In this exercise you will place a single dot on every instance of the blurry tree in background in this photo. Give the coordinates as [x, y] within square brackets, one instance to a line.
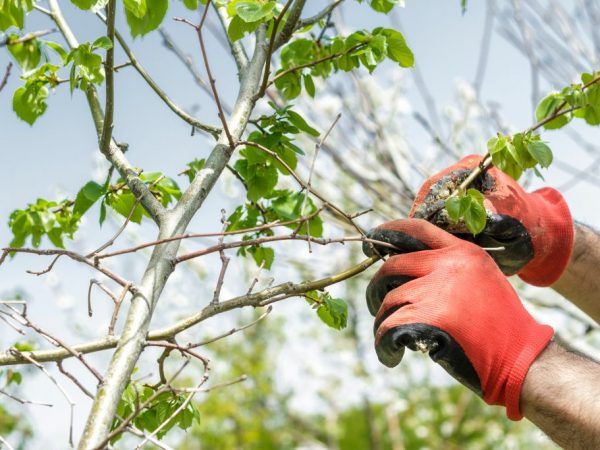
[295, 171]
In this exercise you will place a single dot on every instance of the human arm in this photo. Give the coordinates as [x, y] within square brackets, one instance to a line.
[561, 395]
[580, 282]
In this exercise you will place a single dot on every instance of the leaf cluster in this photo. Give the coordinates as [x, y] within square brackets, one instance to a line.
[303, 59]
[332, 311]
[156, 412]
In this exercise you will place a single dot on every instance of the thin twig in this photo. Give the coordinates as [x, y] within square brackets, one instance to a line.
[267, 72]
[211, 79]
[233, 330]
[6, 75]
[74, 379]
[26, 38]
[67, 397]
[22, 401]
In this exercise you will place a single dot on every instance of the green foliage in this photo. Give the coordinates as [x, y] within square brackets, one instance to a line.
[246, 16]
[84, 4]
[12, 13]
[576, 101]
[332, 311]
[519, 152]
[43, 218]
[468, 206]
[26, 54]
[156, 412]
[384, 6]
[87, 66]
[29, 100]
[303, 59]
[144, 16]
[57, 220]
[193, 168]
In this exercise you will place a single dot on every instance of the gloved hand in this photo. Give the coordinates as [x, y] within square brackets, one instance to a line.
[536, 229]
[452, 300]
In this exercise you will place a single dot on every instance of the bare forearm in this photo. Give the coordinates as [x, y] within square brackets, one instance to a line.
[561, 395]
[581, 281]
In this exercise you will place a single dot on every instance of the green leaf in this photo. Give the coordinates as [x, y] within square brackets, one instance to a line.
[456, 206]
[385, 6]
[137, 8]
[27, 54]
[103, 42]
[475, 215]
[12, 13]
[548, 106]
[260, 178]
[150, 20]
[123, 204]
[397, 49]
[253, 11]
[87, 196]
[333, 312]
[540, 152]
[309, 85]
[299, 122]
[289, 85]
[84, 4]
[13, 376]
[238, 28]
[262, 255]
[24, 346]
[29, 101]
[58, 49]
[192, 5]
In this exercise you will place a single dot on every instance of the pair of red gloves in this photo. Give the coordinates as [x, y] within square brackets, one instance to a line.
[446, 295]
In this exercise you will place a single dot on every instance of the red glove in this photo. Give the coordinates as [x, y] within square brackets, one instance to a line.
[536, 229]
[458, 306]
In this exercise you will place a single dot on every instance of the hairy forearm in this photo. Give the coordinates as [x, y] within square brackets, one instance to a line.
[561, 395]
[581, 281]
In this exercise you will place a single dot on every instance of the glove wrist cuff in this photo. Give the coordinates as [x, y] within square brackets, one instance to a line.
[551, 233]
[538, 342]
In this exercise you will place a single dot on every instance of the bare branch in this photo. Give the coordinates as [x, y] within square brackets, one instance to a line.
[324, 13]
[278, 293]
[25, 38]
[113, 153]
[211, 79]
[109, 62]
[22, 401]
[65, 394]
[6, 75]
[214, 131]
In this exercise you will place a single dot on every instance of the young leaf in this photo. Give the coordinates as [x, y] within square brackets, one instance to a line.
[299, 122]
[150, 20]
[29, 101]
[540, 152]
[103, 42]
[87, 196]
[84, 4]
[253, 11]
[26, 54]
[475, 215]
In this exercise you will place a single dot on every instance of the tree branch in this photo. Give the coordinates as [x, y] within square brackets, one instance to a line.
[319, 16]
[6, 75]
[290, 24]
[160, 267]
[264, 297]
[113, 153]
[212, 130]
[237, 48]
